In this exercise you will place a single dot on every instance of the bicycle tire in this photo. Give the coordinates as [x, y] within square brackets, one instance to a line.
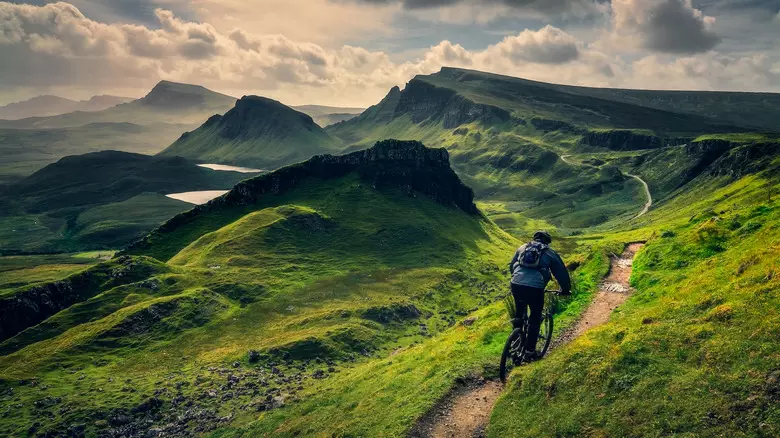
[547, 326]
[503, 370]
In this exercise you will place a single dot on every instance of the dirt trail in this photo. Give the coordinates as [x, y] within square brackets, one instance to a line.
[465, 413]
[649, 195]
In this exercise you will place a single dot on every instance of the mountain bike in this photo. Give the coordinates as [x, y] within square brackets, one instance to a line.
[514, 349]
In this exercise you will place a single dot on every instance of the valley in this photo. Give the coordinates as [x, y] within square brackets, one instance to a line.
[318, 271]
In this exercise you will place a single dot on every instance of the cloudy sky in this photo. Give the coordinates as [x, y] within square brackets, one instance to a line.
[350, 52]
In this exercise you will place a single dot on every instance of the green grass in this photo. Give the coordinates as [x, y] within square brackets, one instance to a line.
[19, 271]
[257, 132]
[693, 350]
[99, 201]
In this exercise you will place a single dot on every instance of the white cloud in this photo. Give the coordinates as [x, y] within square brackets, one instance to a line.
[56, 46]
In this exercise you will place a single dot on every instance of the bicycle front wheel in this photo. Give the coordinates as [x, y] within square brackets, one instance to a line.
[512, 354]
[545, 335]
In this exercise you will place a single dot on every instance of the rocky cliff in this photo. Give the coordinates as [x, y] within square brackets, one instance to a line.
[423, 101]
[627, 140]
[32, 305]
[745, 160]
[405, 165]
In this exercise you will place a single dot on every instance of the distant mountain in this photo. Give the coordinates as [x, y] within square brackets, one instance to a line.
[167, 102]
[328, 115]
[145, 125]
[101, 199]
[257, 132]
[48, 105]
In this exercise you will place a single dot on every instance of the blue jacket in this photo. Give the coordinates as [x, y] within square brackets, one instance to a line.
[539, 277]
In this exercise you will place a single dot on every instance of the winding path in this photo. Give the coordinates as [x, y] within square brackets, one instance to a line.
[466, 411]
[649, 202]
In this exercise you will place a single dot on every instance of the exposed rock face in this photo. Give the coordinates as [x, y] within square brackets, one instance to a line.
[745, 160]
[621, 140]
[423, 101]
[407, 165]
[704, 153]
[547, 125]
[35, 304]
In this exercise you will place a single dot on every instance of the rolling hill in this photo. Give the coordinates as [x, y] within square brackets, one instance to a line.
[257, 132]
[294, 273]
[99, 200]
[48, 105]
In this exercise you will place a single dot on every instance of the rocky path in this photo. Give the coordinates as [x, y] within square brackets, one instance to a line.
[466, 412]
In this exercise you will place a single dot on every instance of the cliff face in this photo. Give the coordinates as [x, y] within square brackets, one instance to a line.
[35, 304]
[407, 165]
[423, 101]
[627, 140]
[745, 160]
[621, 140]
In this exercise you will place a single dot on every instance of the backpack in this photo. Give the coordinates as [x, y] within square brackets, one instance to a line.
[531, 257]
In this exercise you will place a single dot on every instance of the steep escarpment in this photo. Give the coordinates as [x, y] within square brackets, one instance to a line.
[745, 160]
[390, 164]
[423, 101]
[32, 305]
[627, 140]
[256, 132]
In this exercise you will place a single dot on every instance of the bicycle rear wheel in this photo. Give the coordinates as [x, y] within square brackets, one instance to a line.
[512, 354]
[545, 335]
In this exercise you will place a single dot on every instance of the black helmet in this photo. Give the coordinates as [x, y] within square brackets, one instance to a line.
[543, 236]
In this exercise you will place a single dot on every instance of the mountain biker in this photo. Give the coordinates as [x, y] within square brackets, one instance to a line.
[530, 268]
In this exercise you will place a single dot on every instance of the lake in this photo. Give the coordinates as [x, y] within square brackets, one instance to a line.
[226, 168]
[200, 197]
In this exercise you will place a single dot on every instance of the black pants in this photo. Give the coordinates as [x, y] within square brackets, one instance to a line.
[532, 297]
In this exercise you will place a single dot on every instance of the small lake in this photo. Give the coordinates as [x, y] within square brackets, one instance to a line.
[226, 168]
[200, 197]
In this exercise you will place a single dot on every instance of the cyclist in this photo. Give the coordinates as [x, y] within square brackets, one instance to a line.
[531, 267]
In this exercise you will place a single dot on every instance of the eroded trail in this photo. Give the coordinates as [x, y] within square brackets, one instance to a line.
[465, 413]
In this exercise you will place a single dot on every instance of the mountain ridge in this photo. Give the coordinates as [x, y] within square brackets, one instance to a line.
[50, 105]
[257, 132]
[407, 165]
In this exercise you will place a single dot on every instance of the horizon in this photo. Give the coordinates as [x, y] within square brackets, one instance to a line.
[350, 53]
[401, 87]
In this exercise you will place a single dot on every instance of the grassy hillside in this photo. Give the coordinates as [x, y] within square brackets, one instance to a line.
[347, 260]
[506, 136]
[257, 132]
[99, 200]
[25, 151]
[694, 351]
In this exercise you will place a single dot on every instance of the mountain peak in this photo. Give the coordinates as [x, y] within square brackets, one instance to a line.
[175, 95]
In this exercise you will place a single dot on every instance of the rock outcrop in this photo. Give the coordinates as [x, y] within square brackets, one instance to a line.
[745, 160]
[423, 101]
[627, 140]
[405, 165]
[35, 304]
